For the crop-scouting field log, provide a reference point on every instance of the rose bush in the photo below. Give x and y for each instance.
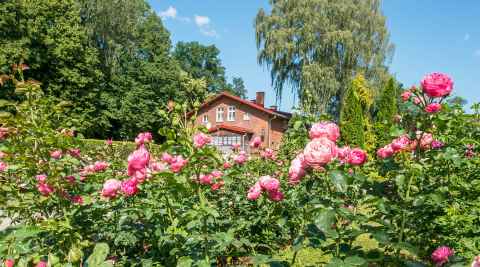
(181, 203)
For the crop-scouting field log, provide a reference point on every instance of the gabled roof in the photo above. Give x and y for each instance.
(230, 128)
(251, 104)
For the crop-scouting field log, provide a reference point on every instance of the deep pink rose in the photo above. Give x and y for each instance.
(227, 165)
(206, 179)
(385, 152)
(240, 158)
(77, 199)
(325, 129)
(70, 179)
(296, 171)
(138, 160)
(3, 166)
(275, 196)
(256, 142)
(56, 154)
(177, 164)
(269, 183)
(319, 152)
(109, 142)
(143, 138)
(437, 85)
(130, 187)
(254, 192)
(9, 263)
(217, 185)
(44, 189)
(437, 144)
(406, 95)
(201, 139)
(110, 188)
(41, 264)
(100, 166)
(74, 152)
(167, 158)
(440, 255)
(217, 174)
(41, 178)
(343, 152)
(433, 108)
(356, 156)
(401, 143)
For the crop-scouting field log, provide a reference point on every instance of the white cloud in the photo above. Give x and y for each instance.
(477, 53)
(466, 37)
(171, 12)
(203, 23)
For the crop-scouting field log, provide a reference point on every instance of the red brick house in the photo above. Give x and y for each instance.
(233, 120)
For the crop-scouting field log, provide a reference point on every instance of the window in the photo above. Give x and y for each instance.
(227, 140)
(246, 116)
(231, 113)
(220, 114)
(205, 119)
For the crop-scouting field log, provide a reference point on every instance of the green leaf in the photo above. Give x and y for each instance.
(99, 254)
(184, 262)
(355, 261)
(338, 180)
(324, 221)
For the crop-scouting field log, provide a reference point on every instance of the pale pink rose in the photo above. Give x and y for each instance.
(275, 196)
(77, 199)
(206, 179)
(254, 192)
(167, 158)
(401, 143)
(45, 189)
(3, 166)
(437, 85)
(268, 154)
(440, 255)
(385, 152)
(426, 140)
(201, 139)
(433, 108)
(256, 142)
(436, 144)
(140, 175)
(240, 158)
(109, 142)
(41, 178)
(157, 167)
(319, 152)
(417, 100)
(227, 165)
(356, 156)
(130, 187)
(296, 171)
(56, 154)
(217, 174)
(342, 152)
(100, 166)
(269, 183)
(177, 164)
(217, 185)
(406, 95)
(138, 160)
(143, 138)
(476, 262)
(236, 146)
(2, 154)
(325, 129)
(9, 262)
(74, 152)
(111, 187)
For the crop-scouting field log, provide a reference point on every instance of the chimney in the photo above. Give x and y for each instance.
(260, 98)
(274, 108)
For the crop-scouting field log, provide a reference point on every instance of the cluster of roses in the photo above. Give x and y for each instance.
(266, 184)
(403, 143)
(321, 150)
(213, 179)
(11, 263)
(435, 87)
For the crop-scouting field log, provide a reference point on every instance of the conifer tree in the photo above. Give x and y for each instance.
(352, 120)
(386, 110)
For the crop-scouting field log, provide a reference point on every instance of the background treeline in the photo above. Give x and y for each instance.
(110, 64)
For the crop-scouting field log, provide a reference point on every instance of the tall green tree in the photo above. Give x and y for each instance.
(352, 119)
(238, 87)
(317, 46)
(386, 110)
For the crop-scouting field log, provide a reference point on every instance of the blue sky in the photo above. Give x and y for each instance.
(429, 35)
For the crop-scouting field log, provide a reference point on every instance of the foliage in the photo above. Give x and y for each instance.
(352, 121)
(317, 47)
(386, 110)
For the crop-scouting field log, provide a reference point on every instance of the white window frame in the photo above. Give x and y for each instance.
(220, 111)
(231, 113)
(205, 119)
(246, 116)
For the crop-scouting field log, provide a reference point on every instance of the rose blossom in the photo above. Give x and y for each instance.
(227, 165)
(296, 171)
(268, 154)
(129, 187)
(9, 263)
(426, 140)
(325, 129)
(3, 133)
(3, 166)
(157, 167)
(406, 95)
(356, 156)
(254, 192)
(217, 185)
(77, 199)
(256, 142)
(401, 143)
(342, 152)
(319, 152)
(41, 264)
(417, 100)
(236, 146)
(44, 189)
(167, 158)
(206, 179)
(269, 183)
(109, 142)
(56, 154)
(110, 188)
(143, 138)
(138, 161)
(201, 139)
(240, 158)
(476, 262)
(100, 166)
(433, 108)
(275, 196)
(437, 85)
(385, 152)
(70, 179)
(440, 255)
(74, 152)
(217, 174)
(177, 164)
(41, 178)
(437, 144)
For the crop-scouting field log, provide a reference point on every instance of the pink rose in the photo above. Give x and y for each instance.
(44, 189)
(240, 158)
(56, 154)
(385, 152)
(440, 255)
(217, 174)
(41, 264)
(77, 199)
(426, 140)
(406, 95)
(201, 139)
(3, 133)
(325, 129)
(356, 157)
(138, 160)
(476, 262)
(275, 196)
(417, 100)
(41, 178)
(9, 263)
(401, 143)
(236, 146)
(70, 179)
(227, 165)
(130, 187)
(206, 179)
(437, 144)
(3, 166)
(433, 108)
(256, 142)
(319, 152)
(177, 164)
(268, 154)
(74, 152)
(167, 158)
(100, 166)
(269, 183)
(143, 138)
(110, 188)
(342, 152)
(157, 167)
(437, 85)
(254, 192)
(109, 142)
(217, 185)
(296, 171)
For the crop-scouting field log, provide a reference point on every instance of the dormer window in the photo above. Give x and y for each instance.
(220, 112)
(246, 116)
(231, 113)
